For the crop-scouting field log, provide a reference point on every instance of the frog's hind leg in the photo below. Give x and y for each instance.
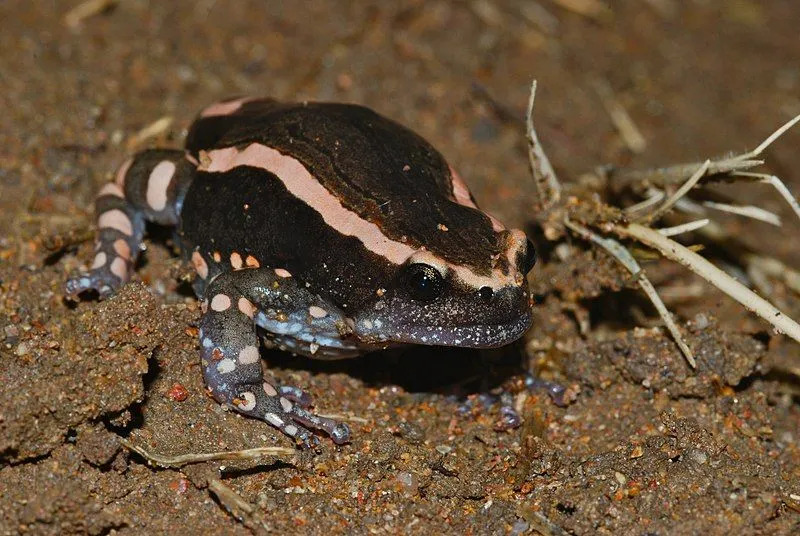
(236, 303)
(148, 187)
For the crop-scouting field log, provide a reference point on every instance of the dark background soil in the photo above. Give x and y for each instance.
(647, 447)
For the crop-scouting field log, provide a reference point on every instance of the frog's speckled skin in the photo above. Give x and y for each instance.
(326, 229)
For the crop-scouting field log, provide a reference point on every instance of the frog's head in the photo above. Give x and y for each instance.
(477, 298)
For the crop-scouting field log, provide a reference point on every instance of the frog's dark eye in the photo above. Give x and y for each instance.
(530, 257)
(486, 293)
(425, 283)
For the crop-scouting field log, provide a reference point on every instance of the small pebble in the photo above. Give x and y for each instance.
(177, 393)
(444, 449)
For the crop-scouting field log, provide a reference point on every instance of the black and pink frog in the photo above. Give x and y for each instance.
(322, 229)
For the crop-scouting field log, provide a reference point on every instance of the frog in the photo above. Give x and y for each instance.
(322, 229)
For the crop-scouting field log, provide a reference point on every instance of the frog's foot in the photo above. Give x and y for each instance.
(267, 402)
(230, 351)
(560, 395)
(108, 273)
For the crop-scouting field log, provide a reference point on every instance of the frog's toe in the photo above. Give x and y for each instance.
(296, 395)
(100, 280)
(302, 419)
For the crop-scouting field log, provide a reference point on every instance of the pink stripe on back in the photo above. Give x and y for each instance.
(224, 108)
(297, 179)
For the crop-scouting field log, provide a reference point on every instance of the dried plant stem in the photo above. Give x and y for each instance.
(748, 211)
(682, 191)
(620, 117)
(548, 186)
(775, 268)
(186, 459)
(619, 252)
(776, 183)
(699, 265)
(684, 227)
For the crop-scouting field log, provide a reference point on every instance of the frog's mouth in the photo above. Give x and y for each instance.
(484, 335)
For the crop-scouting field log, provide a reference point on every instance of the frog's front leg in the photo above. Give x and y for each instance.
(148, 187)
(236, 302)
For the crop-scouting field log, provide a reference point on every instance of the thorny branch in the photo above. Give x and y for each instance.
(656, 184)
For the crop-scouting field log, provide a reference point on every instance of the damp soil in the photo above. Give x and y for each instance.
(644, 446)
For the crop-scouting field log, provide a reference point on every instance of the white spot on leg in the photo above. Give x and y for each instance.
(246, 307)
(220, 303)
(269, 389)
(317, 312)
(111, 189)
(207, 343)
(291, 430)
(158, 183)
(273, 419)
(122, 248)
(115, 219)
(119, 268)
(248, 355)
(286, 405)
(280, 272)
(248, 402)
(99, 260)
(226, 365)
(200, 265)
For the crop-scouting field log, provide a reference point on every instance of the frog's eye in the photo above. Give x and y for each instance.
(530, 257)
(424, 282)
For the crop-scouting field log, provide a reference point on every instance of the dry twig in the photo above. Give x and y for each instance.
(186, 459)
(748, 211)
(726, 169)
(154, 129)
(547, 184)
(699, 265)
(622, 120)
(619, 252)
(592, 9)
(684, 227)
(84, 10)
(682, 191)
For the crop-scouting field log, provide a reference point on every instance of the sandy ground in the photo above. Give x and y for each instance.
(647, 447)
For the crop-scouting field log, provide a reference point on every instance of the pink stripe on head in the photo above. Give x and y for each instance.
(225, 107)
(158, 183)
(297, 179)
(122, 171)
(461, 193)
(462, 196)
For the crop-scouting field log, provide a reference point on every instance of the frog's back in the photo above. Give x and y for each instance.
(316, 184)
